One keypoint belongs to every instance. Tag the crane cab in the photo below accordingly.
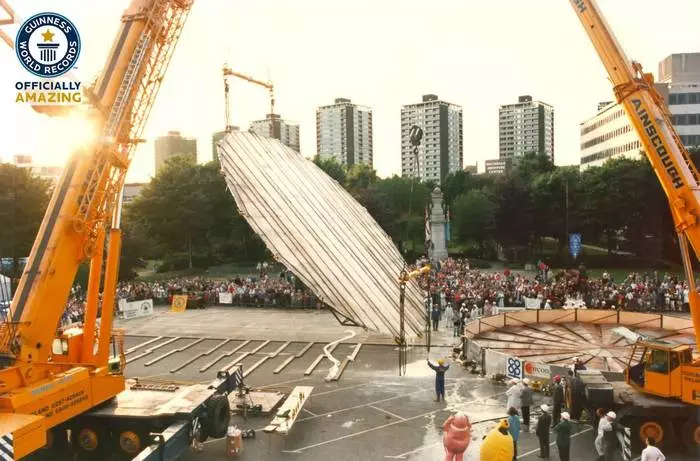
(67, 346)
(659, 368)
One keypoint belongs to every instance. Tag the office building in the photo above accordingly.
(441, 151)
(473, 169)
(215, 138)
(527, 126)
(174, 145)
(344, 132)
(273, 126)
(500, 165)
(50, 173)
(131, 191)
(609, 134)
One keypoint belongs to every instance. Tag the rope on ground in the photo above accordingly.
(327, 351)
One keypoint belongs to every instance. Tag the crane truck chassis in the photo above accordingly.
(149, 421)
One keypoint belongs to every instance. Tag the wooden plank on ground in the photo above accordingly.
(236, 361)
(139, 346)
(152, 349)
(341, 369)
(257, 349)
(199, 356)
(280, 349)
(255, 365)
(289, 411)
(356, 351)
(314, 364)
(226, 354)
(304, 350)
(284, 364)
(174, 351)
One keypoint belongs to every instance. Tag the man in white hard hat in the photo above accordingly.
(542, 431)
(603, 436)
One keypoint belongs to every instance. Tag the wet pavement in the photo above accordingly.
(369, 414)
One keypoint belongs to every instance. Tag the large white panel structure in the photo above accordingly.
(315, 228)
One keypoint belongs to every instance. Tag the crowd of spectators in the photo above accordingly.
(245, 291)
(470, 292)
(456, 283)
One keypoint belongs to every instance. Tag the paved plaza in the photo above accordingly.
(369, 414)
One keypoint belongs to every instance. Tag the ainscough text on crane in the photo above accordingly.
(658, 144)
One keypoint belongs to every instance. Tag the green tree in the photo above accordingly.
(174, 207)
(332, 168)
(23, 201)
(474, 218)
(513, 215)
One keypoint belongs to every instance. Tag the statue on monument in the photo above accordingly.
(437, 250)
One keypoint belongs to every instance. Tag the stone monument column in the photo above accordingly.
(438, 247)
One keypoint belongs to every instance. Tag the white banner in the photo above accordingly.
(225, 298)
(573, 303)
(532, 303)
(537, 370)
(134, 309)
(500, 310)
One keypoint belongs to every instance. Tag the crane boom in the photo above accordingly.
(665, 370)
(648, 113)
(270, 87)
(84, 210)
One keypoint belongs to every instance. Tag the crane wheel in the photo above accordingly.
(218, 415)
(88, 440)
(691, 436)
(130, 442)
(661, 431)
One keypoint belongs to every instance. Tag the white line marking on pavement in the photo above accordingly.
(309, 412)
(588, 429)
(341, 389)
(267, 386)
(393, 415)
(393, 423)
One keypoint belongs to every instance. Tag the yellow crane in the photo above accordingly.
(661, 395)
(228, 72)
(47, 381)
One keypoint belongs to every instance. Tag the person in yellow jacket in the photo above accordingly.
(498, 444)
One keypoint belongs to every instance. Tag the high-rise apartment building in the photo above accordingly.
(441, 149)
(273, 126)
(174, 145)
(344, 132)
(527, 126)
(609, 133)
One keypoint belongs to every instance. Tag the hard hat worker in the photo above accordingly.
(440, 368)
(457, 431)
(498, 444)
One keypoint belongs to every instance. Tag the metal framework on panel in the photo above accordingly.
(555, 337)
(318, 230)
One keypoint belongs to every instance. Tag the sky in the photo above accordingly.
(475, 53)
